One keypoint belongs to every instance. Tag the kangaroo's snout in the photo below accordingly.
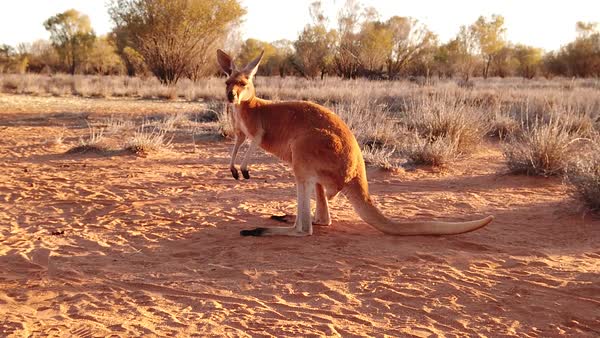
(231, 96)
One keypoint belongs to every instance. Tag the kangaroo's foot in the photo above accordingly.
(246, 174)
(285, 218)
(234, 173)
(286, 231)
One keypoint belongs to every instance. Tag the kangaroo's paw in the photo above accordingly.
(283, 218)
(234, 173)
(245, 174)
(291, 231)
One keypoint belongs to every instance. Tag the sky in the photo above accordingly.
(548, 24)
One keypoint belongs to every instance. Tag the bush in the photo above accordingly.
(95, 142)
(447, 115)
(146, 140)
(176, 38)
(381, 157)
(225, 121)
(437, 152)
(542, 149)
(504, 126)
(370, 122)
(446, 127)
(585, 178)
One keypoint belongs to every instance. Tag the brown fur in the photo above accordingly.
(322, 151)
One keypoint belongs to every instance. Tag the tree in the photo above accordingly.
(425, 63)
(375, 47)
(176, 38)
(460, 53)
(14, 60)
(103, 58)
(314, 51)
(504, 62)
(253, 47)
(409, 39)
(578, 58)
(282, 60)
(489, 37)
(582, 56)
(6, 57)
(347, 59)
(529, 60)
(72, 37)
(42, 56)
(276, 56)
(315, 45)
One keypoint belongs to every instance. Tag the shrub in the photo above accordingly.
(584, 175)
(370, 122)
(381, 157)
(503, 126)
(115, 125)
(445, 128)
(95, 142)
(542, 149)
(225, 121)
(173, 122)
(176, 37)
(437, 152)
(447, 115)
(146, 140)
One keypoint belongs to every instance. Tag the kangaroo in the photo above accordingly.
(322, 151)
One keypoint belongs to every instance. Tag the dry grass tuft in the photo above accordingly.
(434, 151)
(116, 125)
(59, 138)
(148, 139)
(382, 157)
(371, 123)
(225, 121)
(173, 122)
(447, 115)
(584, 175)
(578, 124)
(95, 142)
(446, 127)
(543, 149)
(504, 126)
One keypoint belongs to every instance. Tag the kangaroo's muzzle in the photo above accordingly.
(231, 96)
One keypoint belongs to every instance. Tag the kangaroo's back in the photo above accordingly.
(284, 123)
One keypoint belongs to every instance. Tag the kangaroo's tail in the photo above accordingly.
(358, 194)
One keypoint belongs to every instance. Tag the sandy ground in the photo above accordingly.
(119, 246)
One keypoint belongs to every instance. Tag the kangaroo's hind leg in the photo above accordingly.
(303, 225)
(322, 216)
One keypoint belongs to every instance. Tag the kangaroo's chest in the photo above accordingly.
(244, 120)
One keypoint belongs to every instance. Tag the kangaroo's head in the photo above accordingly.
(239, 82)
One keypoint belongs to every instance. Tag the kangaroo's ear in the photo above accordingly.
(225, 62)
(252, 67)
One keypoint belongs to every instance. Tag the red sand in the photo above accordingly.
(124, 246)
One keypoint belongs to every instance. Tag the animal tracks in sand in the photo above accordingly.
(143, 250)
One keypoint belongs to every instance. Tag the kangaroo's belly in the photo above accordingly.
(280, 149)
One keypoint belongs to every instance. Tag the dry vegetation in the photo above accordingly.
(584, 175)
(139, 228)
(540, 124)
